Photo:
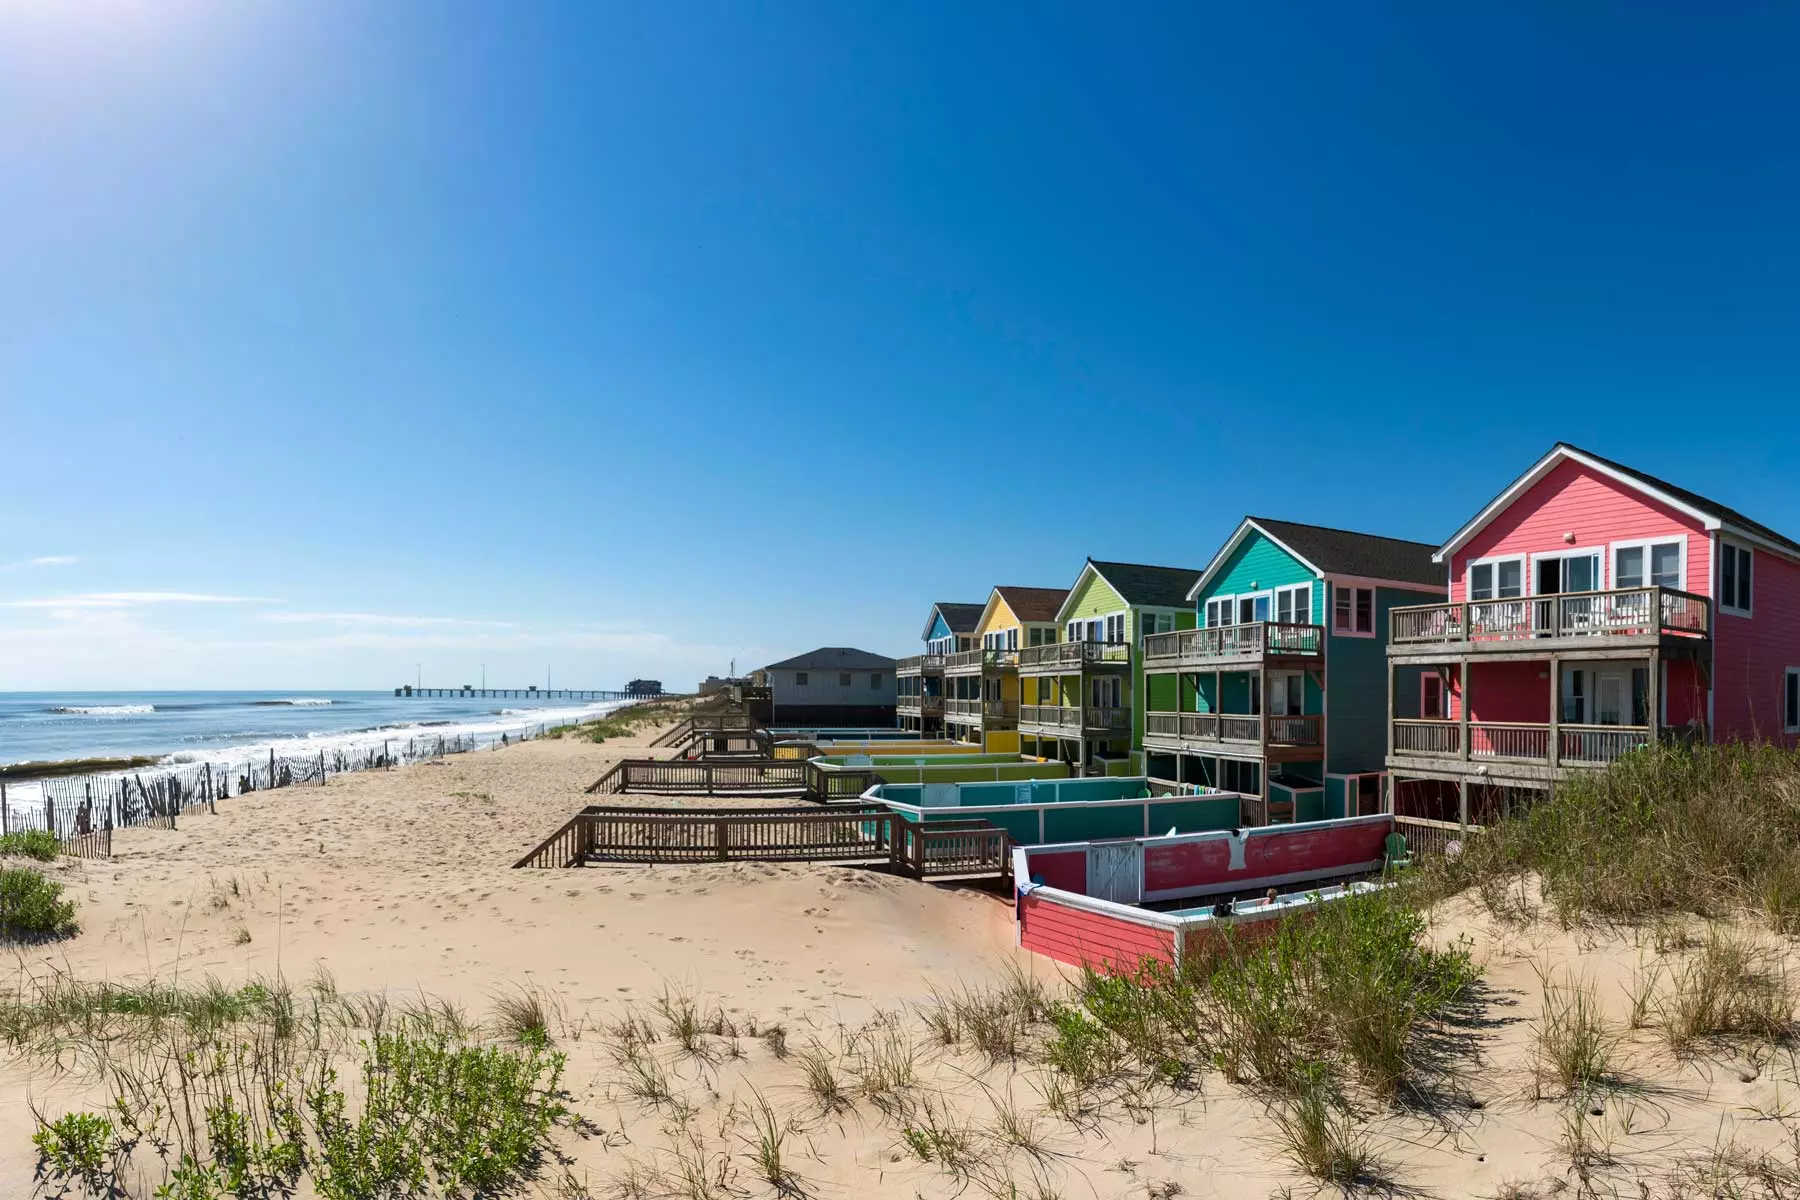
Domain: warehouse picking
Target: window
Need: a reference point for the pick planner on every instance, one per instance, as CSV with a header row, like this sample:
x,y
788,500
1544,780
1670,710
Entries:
x,y
799,678
1293,605
1564,572
1252,608
1074,632
1734,578
1353,610
1218,611
1287,690
1791,707
843,679
1497,579
1649,564
1115,628
1431,698
1037,635
875,681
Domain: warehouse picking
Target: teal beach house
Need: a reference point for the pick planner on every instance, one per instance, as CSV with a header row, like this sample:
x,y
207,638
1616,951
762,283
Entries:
x,y
1279,692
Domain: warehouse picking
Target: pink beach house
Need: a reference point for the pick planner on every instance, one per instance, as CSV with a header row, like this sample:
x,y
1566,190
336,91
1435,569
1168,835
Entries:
x,y
1593,609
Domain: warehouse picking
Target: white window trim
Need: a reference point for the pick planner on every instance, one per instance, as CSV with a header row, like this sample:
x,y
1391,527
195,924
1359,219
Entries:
x,y
1229,600
1725,543
1374,611
1128,626
1599,552
1275,601
1785,676
1495,561
1262,594
1644,544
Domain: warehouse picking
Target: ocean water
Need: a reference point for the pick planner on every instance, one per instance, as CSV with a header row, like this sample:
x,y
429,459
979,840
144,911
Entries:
x,y
231,727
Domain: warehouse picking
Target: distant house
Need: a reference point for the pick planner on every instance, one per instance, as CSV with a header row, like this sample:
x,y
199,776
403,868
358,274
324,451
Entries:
x,y
832,686
644,687
949,629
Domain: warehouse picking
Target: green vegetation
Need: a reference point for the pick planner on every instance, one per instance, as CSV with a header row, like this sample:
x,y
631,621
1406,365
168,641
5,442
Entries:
x,y
40,844
236,1091
32,907
73,766
1713,830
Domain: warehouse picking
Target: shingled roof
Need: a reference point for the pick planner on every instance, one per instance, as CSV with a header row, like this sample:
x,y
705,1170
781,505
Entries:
x,y
961,618
1345,552
1158,587
833,658
1033,604
1336,552
1713,514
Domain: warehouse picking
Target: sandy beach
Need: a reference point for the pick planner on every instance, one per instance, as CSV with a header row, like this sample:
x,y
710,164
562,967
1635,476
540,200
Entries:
x,y
400,883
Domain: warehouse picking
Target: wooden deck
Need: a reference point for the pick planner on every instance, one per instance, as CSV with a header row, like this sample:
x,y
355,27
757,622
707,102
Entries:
x,y
1278,738
1235,647
860,835
1526,627
704,777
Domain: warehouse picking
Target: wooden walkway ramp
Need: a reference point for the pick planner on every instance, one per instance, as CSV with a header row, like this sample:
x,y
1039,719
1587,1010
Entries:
x,y
846,834
703,777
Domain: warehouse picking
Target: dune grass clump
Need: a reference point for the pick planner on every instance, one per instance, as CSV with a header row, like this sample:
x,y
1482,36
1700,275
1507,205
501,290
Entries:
x,y
1705,829
32,907
1575,1045
40,844
1729,988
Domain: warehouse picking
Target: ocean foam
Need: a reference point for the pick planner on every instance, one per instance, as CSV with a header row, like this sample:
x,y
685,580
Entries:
x,y
296,702
104,710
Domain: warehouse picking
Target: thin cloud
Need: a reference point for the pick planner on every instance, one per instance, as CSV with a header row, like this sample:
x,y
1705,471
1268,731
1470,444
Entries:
x,y
42,560
383,620
130,600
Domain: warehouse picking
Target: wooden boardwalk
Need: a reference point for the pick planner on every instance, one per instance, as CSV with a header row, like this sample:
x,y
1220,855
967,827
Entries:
x,y
410,692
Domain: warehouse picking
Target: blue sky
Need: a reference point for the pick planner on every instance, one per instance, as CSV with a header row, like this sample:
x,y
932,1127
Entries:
x,y
630,339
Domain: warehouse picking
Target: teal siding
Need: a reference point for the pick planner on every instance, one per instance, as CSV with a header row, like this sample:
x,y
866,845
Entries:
x,y
940,628
1356,674
1260,561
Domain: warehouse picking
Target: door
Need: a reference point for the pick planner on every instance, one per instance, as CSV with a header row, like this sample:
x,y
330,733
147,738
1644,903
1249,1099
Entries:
x,y
1115,871
1611,697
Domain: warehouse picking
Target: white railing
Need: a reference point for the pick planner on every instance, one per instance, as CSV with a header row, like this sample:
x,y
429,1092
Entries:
x,y
1620,613
915,664
1074,655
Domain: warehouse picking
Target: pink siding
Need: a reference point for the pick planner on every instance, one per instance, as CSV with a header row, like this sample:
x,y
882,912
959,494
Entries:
x,y
1205,862
1076,936
1503,691
1752,654
1063,869
1597,510
1686,694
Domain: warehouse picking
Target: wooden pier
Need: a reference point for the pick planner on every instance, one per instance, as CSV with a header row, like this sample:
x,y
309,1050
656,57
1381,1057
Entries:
x,y
410,692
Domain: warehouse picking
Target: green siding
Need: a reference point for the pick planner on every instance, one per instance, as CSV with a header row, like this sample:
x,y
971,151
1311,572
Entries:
x,y
1094,598
1356,675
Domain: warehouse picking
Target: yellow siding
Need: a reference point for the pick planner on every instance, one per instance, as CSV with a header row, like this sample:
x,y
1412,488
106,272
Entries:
x,y
1002,742
999,617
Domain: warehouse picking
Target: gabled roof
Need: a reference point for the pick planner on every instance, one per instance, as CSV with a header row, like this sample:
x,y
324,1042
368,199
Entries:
x,y
961,618
1033,604
1709,513
1326,551
1137,584
833,658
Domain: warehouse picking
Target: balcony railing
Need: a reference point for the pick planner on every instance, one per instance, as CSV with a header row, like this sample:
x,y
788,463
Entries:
x,y
1233,643
1626,612
1074,656
1069,719
1245,728
919,664
1519,741
980,660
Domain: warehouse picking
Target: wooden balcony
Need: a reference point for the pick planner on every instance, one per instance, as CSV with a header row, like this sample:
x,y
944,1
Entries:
x,y
920,664
1233,646
919,706
1277,736
982,714
1052,720
1510,751
1069,658
1626,618
981,662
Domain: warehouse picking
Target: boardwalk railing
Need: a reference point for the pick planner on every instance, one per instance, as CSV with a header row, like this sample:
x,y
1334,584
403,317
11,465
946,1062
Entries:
x,y
693,729
702,778
1250,642
641,835
1625,612
867,834
936,849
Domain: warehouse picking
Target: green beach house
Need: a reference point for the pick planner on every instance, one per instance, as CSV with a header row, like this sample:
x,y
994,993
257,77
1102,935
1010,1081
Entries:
x,y
1082,695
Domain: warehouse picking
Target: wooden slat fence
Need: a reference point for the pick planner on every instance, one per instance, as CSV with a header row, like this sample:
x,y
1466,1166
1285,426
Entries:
x,y
704,835
705,777
1426,837
935,849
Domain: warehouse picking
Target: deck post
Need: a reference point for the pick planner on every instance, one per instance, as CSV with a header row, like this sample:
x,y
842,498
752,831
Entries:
x,y
721,840
1462,803
1462,733
1393,704
1554,748
1652,697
